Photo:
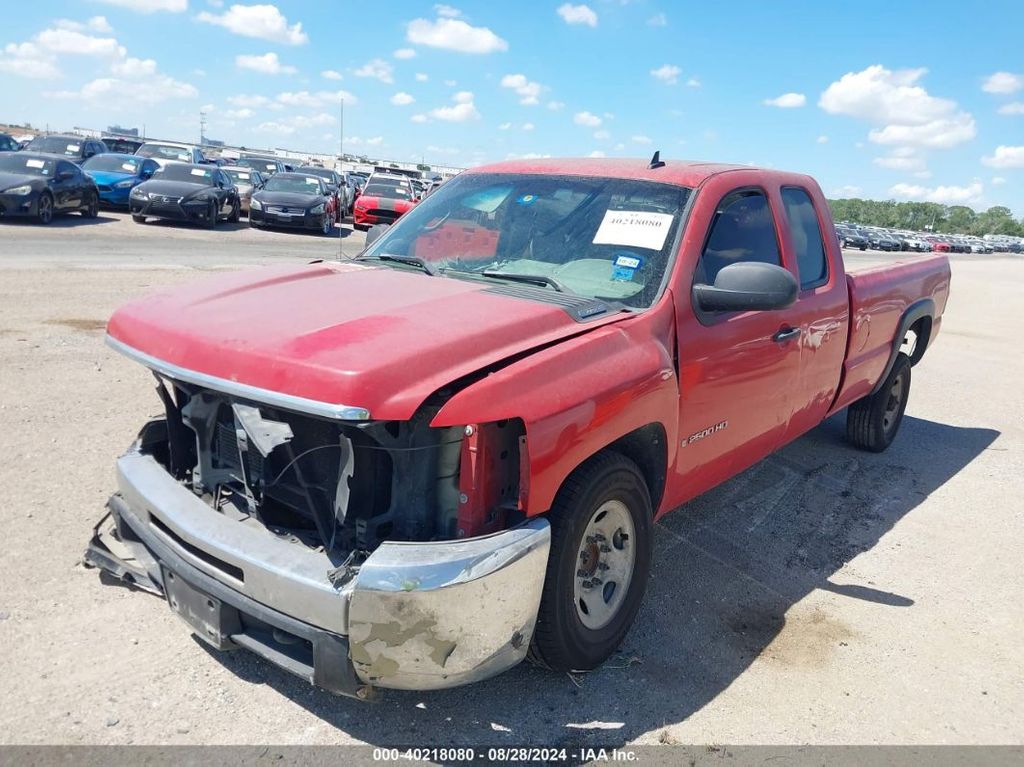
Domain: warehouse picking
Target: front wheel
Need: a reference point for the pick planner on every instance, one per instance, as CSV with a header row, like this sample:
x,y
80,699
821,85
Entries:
x,y
598,564
236,212
872,421
328,225
211,215
45,209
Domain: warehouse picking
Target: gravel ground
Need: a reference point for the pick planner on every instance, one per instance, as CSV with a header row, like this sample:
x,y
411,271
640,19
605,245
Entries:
x,y
824,596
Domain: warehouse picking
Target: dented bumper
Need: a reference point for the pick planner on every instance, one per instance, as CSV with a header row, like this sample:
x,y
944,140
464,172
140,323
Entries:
x,y
415,615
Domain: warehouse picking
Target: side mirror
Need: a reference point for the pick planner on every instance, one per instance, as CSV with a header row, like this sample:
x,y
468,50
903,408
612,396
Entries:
x,y
748,286
64,175
375,233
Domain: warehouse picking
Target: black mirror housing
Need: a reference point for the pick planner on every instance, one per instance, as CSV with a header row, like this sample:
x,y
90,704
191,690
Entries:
x,y
748,286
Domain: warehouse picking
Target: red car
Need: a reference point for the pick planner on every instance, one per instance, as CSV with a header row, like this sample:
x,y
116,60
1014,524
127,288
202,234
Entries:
x,y
383,200
408,469
939,245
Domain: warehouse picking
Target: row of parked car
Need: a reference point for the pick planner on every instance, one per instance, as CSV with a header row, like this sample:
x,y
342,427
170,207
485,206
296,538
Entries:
x,y
63,174
889,240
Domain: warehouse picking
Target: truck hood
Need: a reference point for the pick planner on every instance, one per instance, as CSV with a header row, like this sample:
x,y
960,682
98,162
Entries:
x,y
365,336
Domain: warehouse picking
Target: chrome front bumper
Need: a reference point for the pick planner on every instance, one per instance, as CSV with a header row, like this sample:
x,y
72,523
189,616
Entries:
x,y
414,616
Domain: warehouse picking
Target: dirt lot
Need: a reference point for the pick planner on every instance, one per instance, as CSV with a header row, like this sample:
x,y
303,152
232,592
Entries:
x,y
824,596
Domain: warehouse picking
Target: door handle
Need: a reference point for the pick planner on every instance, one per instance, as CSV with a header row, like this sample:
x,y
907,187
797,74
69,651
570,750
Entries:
x,y
785,335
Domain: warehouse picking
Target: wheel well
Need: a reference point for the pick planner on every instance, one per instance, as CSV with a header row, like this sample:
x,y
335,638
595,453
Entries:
x,y
646,447
915,347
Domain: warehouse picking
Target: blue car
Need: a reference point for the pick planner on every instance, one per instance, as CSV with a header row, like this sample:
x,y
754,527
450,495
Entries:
x,y
117,174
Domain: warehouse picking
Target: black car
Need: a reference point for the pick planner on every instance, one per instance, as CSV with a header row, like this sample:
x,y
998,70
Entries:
x,y
123,144
294,199
267,166
336,183
848,237
41,185
74,148
202,194
8,144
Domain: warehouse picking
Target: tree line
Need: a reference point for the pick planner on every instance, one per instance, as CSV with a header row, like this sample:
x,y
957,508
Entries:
x,y
919,216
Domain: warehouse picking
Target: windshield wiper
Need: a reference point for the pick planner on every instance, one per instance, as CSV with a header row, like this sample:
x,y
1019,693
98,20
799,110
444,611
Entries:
x,y
536,279
426,266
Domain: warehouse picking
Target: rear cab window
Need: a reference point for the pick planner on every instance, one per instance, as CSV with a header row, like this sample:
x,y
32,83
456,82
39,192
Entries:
x,y
805,230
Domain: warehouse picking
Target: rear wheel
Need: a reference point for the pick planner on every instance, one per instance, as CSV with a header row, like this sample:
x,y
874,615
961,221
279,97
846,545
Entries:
x,y
598,564
44,211
872,422
92,205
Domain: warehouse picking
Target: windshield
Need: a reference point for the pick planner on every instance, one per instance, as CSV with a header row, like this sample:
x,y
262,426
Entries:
x,y
192,174
25,165
325,173
113,163
165,152
259,164
239,176
599,237
297,184
68,146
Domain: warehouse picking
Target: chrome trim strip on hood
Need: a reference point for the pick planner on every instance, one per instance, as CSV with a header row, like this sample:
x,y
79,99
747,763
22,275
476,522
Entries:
x,y
338,412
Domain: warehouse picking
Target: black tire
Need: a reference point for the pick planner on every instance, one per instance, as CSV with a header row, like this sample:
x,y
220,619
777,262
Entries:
x,y
138,219
327,227
212,215
92,207
561,641
236,212
863,247
873,421
44,210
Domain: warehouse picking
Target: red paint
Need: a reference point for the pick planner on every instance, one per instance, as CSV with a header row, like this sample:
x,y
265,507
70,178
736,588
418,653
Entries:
x,y
367,202
386,339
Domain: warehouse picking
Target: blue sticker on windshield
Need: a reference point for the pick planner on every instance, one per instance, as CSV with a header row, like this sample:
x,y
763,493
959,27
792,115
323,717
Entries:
x,y
625,266
526,199
622,274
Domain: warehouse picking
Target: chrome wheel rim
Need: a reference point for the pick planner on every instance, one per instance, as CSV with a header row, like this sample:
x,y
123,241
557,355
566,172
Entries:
x,y
604,565
892,405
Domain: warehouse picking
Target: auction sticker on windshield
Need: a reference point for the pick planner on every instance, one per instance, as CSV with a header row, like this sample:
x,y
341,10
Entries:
x,y
633,227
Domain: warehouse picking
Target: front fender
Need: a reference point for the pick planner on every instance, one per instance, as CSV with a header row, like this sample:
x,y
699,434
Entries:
x,y
578,396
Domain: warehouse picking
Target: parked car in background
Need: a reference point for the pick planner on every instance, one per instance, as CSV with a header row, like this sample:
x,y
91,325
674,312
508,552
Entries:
x,y
123,144
8,143
247,180
337,183
384,199
169,151
849,237
40,186
939,244
117,174
190,192
294,200
879,240
267,166
75,148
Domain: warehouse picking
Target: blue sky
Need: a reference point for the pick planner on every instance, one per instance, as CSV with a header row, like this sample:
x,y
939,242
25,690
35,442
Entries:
x,y
898,100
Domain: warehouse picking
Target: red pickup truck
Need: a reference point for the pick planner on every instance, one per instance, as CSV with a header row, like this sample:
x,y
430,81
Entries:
x,y
413,468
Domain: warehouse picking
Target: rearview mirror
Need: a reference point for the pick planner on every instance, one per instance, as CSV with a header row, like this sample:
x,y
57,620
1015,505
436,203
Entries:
x,y
748,286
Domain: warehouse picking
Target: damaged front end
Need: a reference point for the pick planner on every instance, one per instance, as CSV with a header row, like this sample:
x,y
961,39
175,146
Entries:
x,y
354,553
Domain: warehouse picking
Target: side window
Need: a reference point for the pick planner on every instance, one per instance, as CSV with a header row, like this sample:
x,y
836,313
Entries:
x,y
810,249
742,230
65,167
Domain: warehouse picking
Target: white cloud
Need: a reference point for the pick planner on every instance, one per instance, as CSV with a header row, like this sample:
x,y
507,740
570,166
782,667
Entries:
x,y
454,35
528,126
667,73
268,64
554,106
419,118
153,89
290,125
264,22
641,140
901,160
463,110
375,141
244,100
945,195
787,101
823,139
422,77
586,118
447,11
845,191
527,90
94,24
376,68
405,53
317,100
1013,108
577,14
1006,157
596,153
402,99
331,74
895,100
29,60
998,181
1003,82
70,42
150,6
658,20
238,114
693,82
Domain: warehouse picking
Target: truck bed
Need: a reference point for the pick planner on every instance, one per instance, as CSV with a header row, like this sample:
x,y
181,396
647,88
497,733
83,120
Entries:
x,y
880,295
